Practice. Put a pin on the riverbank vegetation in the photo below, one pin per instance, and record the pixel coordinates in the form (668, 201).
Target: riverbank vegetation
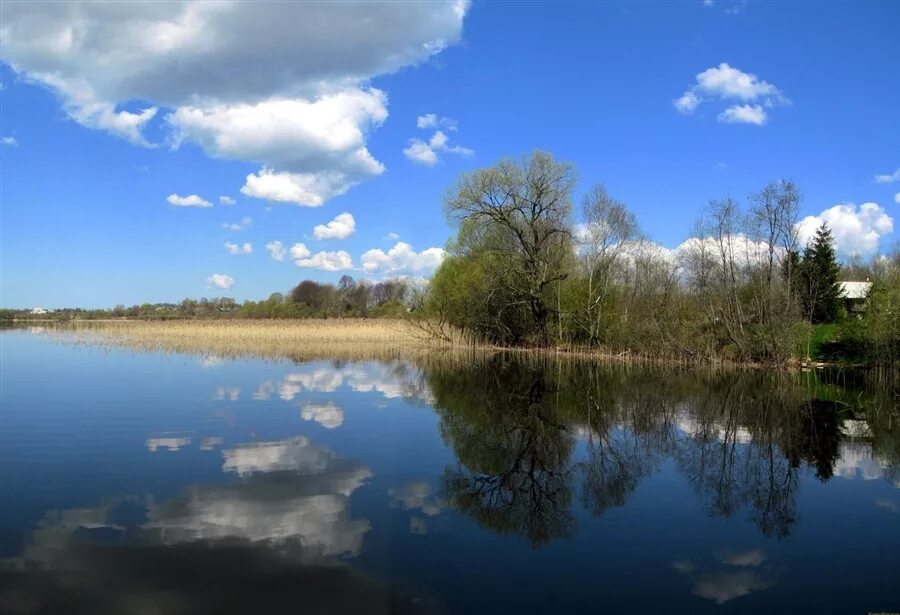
(522, 272)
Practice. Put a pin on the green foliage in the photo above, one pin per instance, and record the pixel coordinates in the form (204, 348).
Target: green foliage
(818, 273)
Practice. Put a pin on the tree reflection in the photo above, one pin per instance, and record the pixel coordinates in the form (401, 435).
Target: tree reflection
(513, 449)
(740, 439)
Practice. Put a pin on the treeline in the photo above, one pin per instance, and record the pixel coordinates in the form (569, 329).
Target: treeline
(349, 299)
(520, 272)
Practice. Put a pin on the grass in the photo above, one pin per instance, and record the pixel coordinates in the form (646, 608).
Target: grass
(293, 339)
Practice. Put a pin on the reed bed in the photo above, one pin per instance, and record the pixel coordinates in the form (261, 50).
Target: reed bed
(351, 339)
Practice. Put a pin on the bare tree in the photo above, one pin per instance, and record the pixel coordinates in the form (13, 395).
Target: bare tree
(607, 230)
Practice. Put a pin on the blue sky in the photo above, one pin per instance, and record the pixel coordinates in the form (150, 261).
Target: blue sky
(323, 106)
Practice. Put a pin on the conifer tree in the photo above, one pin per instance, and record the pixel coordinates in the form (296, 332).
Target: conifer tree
(819, 269)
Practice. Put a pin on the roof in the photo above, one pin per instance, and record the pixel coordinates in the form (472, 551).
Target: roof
(855, 290)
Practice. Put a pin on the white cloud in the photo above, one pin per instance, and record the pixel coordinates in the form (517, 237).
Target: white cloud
(326, 261)
(236, 249)
(192, 200)
(897, 198)
(282, 84)
(725, 82)
(319, 144)
(401, 257)
(427, 153)
(341, 227)
(308, 189)
(226, 200)
(10, 141)
(299, 251)
(276, 250)
(889, 178)
(856, 230)
(392, 236)
(744, 114)
(220, 280)
(418, 151)
(244, 222)
(431, 120)
(687, 102)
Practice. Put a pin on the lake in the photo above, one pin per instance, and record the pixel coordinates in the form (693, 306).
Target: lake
(166, 483)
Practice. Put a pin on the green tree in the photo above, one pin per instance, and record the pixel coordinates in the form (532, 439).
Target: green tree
(519, 212)
(819, 270)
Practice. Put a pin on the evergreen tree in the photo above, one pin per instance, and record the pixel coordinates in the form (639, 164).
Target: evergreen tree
(819, 289)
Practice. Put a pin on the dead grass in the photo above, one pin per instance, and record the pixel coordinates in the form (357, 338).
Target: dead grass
(294, 339)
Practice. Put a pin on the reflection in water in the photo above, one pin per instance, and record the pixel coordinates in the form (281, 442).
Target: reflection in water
(229, 393)
(397, 379)
(740, 439)
(277, 533)
(210, 442)
(537, 446)
(513, 449)
(417, 495)
(736, 575)
(171, 443)
(328, 415)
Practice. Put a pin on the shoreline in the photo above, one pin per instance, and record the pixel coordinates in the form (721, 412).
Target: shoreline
(345, 337)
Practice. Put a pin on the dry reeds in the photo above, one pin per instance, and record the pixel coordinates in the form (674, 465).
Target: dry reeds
(355, 339)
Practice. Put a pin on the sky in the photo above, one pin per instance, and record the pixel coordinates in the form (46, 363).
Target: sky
(152, 152)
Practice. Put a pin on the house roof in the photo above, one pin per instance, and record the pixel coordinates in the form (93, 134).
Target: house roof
(855, 290)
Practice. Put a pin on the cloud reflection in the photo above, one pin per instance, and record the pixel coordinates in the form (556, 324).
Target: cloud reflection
(329, 415)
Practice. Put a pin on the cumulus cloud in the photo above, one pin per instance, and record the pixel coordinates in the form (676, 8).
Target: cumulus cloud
(10, 141)
(427, 153)
(220, 280)
(244, 222)
(307, 189)
(724, 82)
(226, 200)
(276, 250)
(320, 143)
(325, 261)
(341, 227)
(856, 230)
(402, 257)
(238, 249)
(744, 114)
(897, 198)
(282, 84)
(889, 178)
(192, 200)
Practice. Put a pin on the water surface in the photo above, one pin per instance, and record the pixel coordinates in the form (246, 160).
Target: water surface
(150, 482)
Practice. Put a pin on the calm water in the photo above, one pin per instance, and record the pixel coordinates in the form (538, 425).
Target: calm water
(152, 483)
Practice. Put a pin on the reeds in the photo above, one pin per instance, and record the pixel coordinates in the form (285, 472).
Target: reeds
(355, 339)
